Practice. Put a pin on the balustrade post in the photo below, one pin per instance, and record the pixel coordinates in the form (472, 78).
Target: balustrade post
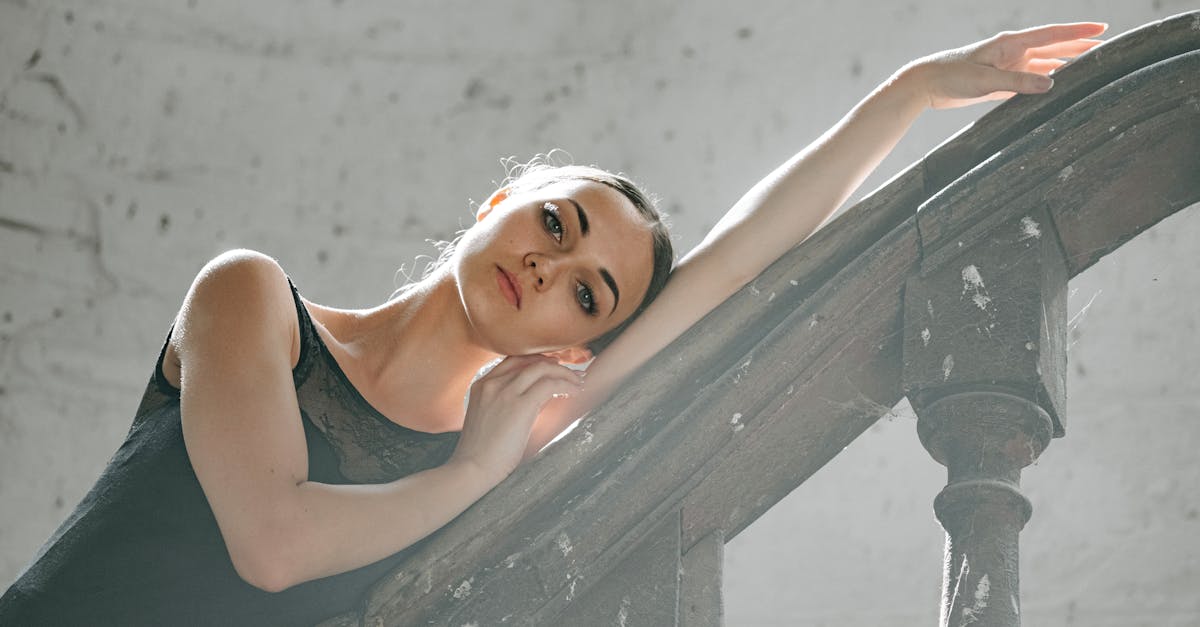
(984, 368)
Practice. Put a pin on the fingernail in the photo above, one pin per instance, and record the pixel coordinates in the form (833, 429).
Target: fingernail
(1044, 83)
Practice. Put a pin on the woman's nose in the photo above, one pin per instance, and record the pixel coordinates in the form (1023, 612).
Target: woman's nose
(544, 269)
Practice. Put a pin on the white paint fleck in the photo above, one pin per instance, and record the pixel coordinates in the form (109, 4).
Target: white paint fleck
(794, 282)
(564, 543)
(1066, 173)
(973, 282)
(571, 589)
(464, 589)
(1030, 346)
(925, 335)
(742, 369)
(1112, 128)
(588, 436)
(623, 613)
(736, 421)
(813, 322)
(947, 366)
(929, 307)
(791, 388)
(511, 560)
(1030, 228)
(754, 289)
(971, 278)
(470, 624)
(771, 297)
(971, 614)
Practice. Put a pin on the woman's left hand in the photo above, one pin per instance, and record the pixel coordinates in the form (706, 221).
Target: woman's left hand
(998, 67)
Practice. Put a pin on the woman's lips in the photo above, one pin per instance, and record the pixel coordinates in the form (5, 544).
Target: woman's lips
(509, 287)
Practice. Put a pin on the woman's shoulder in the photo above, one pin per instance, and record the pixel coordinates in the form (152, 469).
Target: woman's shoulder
(238, 294)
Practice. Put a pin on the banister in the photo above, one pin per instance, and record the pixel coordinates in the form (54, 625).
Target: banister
(767, 388)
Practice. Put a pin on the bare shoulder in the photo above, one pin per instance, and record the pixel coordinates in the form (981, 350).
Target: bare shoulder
(239, 302)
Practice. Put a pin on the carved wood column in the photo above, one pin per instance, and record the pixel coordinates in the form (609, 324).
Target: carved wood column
(984, 367)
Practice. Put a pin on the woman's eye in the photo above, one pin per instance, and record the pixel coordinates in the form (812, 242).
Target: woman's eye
(586, 299)
(551, 221)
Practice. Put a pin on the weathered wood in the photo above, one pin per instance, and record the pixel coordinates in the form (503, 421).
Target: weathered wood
(1162, 149)
(1121, 55)
(700, 600)
(991, 315)
(714, 424)
(984, 438)
(1164, 97)
(846, 359)
(642, 591)
(985, 369)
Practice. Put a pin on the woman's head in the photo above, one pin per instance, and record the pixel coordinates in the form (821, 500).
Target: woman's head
(562, 257)
(537, 175)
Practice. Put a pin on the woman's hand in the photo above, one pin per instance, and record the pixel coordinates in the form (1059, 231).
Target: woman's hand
(998, 67)
(503, 406)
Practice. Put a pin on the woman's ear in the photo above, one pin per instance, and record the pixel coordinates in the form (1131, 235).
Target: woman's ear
(496, 198)
(572, 355)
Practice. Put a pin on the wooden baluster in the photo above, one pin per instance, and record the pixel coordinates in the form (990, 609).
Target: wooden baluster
(984, 367)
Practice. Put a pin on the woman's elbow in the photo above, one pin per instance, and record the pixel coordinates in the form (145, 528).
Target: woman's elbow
(265, 561)
(263, 570)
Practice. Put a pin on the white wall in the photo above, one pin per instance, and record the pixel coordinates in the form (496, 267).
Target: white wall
(139, 138)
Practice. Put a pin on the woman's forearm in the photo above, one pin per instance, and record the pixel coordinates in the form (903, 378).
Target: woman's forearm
(324, 529)
(790, 202)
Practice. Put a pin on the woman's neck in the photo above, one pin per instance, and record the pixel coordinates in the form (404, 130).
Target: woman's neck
(414, 356)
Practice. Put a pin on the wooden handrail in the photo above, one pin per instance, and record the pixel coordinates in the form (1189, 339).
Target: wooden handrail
(774, 383)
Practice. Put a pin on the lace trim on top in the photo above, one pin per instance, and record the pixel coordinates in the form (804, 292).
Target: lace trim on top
(370, 448)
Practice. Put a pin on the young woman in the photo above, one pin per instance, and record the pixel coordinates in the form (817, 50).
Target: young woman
(285, 452)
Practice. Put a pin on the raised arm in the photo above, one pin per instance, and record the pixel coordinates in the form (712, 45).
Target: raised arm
(792, 201)
(235, 338)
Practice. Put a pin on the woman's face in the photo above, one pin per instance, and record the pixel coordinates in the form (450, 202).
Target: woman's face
(553, 268)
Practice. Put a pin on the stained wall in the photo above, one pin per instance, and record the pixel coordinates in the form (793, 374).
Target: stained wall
(138, 139)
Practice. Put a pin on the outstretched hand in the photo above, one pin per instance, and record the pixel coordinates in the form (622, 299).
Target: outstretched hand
(998, 67)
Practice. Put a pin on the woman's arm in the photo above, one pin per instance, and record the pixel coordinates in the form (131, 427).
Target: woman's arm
(787, 206)
(242, 427)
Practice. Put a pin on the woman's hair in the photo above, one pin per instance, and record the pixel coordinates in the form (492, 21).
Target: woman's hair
(542, 171)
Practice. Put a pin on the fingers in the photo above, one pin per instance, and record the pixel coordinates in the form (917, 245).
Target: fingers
(1039, 36)
(524, 382)
(545, 389)
(1044, 66)
(516, 375)
(1063, 49)
(512, 364)
(1019, 82)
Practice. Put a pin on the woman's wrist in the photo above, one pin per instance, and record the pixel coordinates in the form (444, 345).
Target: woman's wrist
(478, 475)
(909, 85)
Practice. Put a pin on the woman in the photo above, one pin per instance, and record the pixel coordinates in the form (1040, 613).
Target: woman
(285, 452)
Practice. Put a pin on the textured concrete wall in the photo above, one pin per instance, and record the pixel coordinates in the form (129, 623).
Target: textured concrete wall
(138, 139)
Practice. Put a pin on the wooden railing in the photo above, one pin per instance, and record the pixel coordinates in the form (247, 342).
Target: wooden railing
(947, 284)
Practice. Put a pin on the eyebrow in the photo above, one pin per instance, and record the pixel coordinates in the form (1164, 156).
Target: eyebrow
(583, 219)
(604, 273)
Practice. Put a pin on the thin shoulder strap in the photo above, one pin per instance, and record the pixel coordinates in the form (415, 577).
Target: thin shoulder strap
(308, 338)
